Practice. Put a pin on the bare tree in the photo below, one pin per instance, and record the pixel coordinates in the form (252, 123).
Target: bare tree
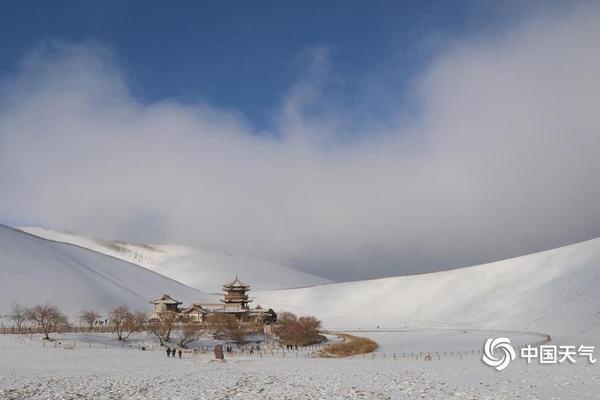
(48, 317)
(89, 317)
(18, 315)
(220, 324)
(126, 322)
(163, 325)
(190, 331)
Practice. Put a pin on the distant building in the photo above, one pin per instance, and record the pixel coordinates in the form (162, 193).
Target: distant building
(195, 313)
(234, 302)
(235, 293)
(164, 304)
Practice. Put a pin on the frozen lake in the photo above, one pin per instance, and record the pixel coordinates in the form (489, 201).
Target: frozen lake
(441, 340)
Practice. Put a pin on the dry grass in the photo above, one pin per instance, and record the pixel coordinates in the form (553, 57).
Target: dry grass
(351, 345)
(305, 341)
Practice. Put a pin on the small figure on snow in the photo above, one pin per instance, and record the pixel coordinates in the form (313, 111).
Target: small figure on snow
(173, 352)
(179, 354)
(168, 352)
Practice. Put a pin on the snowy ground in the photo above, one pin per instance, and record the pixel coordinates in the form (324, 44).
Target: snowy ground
(29, 371)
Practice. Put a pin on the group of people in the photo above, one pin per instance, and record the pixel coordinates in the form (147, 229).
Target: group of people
(229, 349)
(173, 352)
(254, 347)
(291, 347)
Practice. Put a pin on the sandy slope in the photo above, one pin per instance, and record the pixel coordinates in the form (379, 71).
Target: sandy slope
(555, 291)
(200, 269)
(34, 270)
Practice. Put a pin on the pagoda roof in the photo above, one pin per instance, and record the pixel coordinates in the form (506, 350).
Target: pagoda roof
(195, 307)
(166, 299)
(236, 283)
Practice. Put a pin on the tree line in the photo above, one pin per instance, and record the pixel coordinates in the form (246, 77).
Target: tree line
(124, 322)
(48, 318)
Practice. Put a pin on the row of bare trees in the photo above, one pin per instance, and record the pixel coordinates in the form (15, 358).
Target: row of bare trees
(48, 318)
(124, 322)
(291, 329)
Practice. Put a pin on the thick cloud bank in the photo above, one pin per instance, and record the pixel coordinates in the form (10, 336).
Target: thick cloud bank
(503, 159)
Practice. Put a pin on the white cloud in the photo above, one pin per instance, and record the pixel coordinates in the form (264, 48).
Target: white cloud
(503, 160)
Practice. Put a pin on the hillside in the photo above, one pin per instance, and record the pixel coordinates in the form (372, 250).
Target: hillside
(555, 291)
(197, 268)
(35, 270)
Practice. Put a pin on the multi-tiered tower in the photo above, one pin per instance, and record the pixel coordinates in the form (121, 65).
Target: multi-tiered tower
(235, 293)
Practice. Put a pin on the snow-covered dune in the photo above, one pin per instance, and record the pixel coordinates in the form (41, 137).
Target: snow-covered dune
(555, 291)
(197, 268)
(35, 270)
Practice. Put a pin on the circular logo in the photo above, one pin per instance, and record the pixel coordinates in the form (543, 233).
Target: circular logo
(498, 353)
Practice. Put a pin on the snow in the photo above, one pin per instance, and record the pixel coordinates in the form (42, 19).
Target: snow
(29, 371)
(555, 291)
(197, 268)
(35, 270)
(440, 340)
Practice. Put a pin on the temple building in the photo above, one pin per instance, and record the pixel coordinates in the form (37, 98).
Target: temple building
(235, 293)
(164, 304)
(235, 302)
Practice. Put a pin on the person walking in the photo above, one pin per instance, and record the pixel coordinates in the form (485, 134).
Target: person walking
(179, 354)
(173, 352)
(168, 352)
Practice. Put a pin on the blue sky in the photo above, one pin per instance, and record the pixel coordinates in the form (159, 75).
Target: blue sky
(348, 139)
(244, 55)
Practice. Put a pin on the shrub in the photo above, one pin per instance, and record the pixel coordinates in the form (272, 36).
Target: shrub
(351, 345)
(299, 331)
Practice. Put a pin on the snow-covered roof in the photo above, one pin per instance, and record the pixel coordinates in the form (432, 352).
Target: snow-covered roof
(236, 283)
(195, 308)
(166, 299)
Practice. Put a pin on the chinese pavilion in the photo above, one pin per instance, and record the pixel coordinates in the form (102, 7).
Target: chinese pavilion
(235, 293)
